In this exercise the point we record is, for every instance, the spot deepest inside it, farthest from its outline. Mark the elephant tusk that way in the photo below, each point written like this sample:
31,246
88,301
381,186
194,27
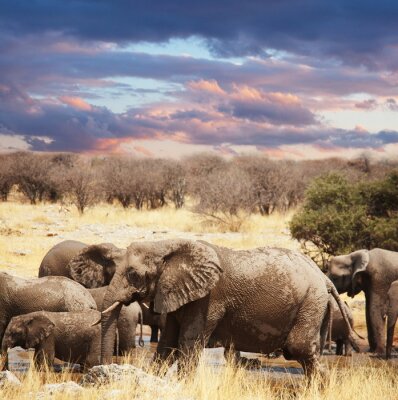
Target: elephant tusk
96,322
145,305
111,308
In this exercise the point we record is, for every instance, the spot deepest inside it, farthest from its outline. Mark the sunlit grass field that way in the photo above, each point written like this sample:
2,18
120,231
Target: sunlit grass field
27,232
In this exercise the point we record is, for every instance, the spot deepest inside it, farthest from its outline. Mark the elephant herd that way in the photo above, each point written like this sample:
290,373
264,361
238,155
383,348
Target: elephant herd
199,295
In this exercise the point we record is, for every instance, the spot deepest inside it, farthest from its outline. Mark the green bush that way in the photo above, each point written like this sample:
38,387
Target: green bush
339,217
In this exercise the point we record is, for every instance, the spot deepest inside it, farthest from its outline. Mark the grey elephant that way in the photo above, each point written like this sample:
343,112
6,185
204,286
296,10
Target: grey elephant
338,331
373,272
53,293
392,313
257,300
69,336
130,316
156,321
92,266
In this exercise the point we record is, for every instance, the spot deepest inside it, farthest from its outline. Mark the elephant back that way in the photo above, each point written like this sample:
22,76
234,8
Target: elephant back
58,257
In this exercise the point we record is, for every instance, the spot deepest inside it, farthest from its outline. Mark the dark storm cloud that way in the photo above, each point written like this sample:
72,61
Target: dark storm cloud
350,30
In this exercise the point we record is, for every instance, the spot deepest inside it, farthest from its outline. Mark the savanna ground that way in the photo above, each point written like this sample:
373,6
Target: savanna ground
27,232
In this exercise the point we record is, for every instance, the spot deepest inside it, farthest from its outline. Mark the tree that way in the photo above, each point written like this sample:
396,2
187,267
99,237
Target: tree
6,177
339,217
81,186
226,198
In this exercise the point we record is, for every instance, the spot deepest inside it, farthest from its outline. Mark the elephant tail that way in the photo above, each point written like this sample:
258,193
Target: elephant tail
330,306
141,340
343,311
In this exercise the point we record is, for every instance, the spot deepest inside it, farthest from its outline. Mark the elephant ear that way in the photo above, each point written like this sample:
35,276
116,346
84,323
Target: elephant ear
38,329
360,260
94,266
190,270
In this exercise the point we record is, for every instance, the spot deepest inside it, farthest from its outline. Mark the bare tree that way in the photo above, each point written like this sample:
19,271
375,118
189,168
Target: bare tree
6,176
81,185
32,175
226,198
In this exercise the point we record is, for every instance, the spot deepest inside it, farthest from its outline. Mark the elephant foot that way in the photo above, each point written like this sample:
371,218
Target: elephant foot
249,363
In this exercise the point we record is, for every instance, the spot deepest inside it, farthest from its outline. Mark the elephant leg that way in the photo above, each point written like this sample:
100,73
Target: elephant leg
154,334
339,347
369,327
376,311
347,348
303,341
391,321
166,352
44,354
94,356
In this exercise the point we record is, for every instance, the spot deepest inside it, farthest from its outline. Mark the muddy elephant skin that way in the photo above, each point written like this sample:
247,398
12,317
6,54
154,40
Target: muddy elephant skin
156,321
127,323
92,266
392,313
69,336
373,272
54,293
257,300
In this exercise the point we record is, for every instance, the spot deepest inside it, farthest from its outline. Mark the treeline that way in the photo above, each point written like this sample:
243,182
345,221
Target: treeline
218,188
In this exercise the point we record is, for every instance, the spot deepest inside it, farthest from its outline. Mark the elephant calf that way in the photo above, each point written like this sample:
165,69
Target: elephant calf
68,336
392,313
339,330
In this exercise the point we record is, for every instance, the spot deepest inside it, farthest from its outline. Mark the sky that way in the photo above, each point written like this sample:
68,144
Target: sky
167,78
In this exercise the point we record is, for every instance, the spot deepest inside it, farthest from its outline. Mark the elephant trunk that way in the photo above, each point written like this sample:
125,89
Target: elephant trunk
109,321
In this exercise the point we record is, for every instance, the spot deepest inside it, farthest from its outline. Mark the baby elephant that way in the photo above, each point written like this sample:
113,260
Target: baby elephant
392,312
339,331
68,336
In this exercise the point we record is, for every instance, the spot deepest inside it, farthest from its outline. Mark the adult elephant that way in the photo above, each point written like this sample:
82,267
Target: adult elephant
92,266
373,272
54,293
257,301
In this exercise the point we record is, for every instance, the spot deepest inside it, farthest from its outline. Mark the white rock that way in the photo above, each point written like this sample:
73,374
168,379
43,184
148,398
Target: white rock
8,378
65,387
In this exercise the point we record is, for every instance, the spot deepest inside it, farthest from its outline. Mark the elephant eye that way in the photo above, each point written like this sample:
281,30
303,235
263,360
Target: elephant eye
132,276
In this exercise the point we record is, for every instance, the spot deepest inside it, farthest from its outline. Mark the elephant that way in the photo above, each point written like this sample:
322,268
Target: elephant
255,300
372,271
53,293
338,331
392,313
92,266
69,336
129,317
156,321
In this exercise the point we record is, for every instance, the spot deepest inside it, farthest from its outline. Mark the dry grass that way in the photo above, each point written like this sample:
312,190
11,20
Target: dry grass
368,380
27,232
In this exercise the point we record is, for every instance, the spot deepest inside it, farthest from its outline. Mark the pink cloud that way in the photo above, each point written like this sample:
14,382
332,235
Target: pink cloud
75,102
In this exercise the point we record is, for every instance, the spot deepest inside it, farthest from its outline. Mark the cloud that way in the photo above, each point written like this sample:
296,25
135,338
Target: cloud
76,102
348,31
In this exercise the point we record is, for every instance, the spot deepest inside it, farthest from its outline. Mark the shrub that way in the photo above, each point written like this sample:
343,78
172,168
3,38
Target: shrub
339,217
